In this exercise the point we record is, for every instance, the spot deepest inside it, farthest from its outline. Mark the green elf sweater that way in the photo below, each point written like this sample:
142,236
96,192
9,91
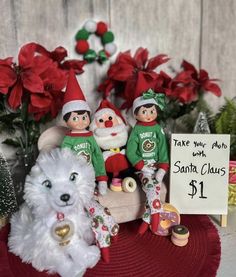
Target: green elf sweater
85,144
147,145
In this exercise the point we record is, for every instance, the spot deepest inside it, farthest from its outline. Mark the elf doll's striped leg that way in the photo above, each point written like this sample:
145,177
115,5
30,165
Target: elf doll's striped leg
146,220
152,190
103,226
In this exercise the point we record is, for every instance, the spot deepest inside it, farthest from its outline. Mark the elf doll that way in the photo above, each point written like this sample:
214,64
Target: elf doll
147,152
76,114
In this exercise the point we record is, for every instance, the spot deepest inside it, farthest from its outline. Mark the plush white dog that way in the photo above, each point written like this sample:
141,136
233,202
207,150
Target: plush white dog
52,230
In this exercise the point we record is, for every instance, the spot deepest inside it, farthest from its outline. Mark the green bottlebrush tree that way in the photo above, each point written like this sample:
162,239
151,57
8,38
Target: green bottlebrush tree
8,203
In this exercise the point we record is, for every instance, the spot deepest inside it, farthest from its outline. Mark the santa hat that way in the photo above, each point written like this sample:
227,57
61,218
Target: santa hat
74,98
150,97
106,106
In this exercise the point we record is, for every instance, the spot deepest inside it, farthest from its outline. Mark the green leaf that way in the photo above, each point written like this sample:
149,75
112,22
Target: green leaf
7,128
12,142
18,123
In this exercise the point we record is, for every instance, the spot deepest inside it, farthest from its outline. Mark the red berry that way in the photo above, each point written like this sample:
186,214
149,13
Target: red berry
101,28
82,46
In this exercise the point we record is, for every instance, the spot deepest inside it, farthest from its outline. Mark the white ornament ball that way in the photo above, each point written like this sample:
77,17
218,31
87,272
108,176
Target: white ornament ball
90,26
110,48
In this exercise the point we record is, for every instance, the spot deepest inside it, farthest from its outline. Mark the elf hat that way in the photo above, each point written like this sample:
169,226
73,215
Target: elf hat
74,98
150,97
106,106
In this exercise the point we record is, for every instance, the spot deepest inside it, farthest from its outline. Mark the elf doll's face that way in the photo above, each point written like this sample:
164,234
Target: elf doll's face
146,114
78,121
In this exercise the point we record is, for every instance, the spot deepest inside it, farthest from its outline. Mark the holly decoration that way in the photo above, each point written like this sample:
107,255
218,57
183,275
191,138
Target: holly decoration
99,29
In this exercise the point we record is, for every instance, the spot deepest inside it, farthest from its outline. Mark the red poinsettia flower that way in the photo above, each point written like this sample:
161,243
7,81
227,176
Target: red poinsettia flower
163,83
50,101
131,76
7,75
24,76
58,55
36,71
189,84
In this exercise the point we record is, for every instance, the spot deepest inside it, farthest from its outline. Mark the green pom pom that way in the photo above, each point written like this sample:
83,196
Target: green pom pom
102,57
82,34
107,37
90,56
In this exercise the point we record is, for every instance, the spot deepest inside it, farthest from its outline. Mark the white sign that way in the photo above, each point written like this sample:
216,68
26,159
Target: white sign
199,173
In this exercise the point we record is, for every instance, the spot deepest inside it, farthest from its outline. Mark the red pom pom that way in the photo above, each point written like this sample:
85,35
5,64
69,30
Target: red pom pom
101,28
82,46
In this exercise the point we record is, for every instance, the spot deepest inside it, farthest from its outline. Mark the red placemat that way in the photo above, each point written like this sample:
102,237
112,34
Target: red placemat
137,256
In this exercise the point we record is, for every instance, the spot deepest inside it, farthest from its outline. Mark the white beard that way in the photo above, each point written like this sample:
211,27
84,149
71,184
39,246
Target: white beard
107,141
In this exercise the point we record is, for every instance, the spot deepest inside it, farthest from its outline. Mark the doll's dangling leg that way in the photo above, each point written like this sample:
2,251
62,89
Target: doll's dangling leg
102,236
152,190
103,226
96,209
146,221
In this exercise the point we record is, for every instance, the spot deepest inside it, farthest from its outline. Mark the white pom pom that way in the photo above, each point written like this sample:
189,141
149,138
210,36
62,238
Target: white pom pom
90,26
110,48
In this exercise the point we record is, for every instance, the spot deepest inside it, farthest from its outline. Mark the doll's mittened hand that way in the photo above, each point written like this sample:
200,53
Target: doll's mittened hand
147,170
102,187
160,175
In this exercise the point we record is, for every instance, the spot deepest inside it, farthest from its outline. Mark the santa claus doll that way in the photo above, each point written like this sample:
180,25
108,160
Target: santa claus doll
111,133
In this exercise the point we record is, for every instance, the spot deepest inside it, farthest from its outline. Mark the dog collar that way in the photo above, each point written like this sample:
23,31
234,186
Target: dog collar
60,216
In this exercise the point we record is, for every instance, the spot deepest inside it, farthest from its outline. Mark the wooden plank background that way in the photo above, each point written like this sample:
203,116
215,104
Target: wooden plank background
200,31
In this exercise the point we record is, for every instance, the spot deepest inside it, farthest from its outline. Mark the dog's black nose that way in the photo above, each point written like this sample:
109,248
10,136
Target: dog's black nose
65,197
